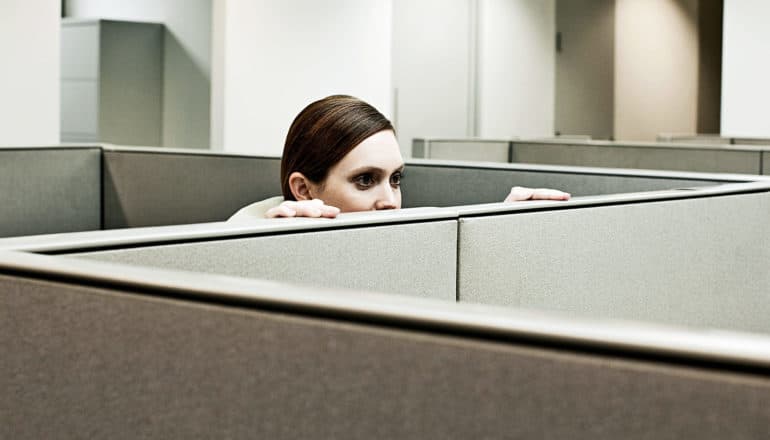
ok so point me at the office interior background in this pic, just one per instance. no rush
(229, 75)
(131, 308)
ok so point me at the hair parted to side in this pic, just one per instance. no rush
(323, 133)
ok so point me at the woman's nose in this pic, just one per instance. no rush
(386, 199)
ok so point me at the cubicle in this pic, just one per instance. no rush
(700, 156)
(65, 189)
(664, 256)
(111, 350)
(635, 314)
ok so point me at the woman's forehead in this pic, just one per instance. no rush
(379, 150)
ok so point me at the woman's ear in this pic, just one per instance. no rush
(300, 186)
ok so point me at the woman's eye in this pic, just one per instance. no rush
(364, 180)
(395, 179)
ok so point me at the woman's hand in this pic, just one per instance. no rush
(520, 193)
(303, 208)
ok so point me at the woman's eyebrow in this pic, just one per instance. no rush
(373, 169)
(366, 169)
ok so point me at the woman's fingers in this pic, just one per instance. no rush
(549, 194)
(520, 193)
(329, 211)
(305, 208)
(281, 210)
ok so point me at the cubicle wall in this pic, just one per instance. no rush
(702, 157)
(152, 187)
(645, 156)
(44, 190)
(110, 339)
(699, 261)
(112, 351)
(713, 139)
(394, 254)
(693, 257)
(485, 150)
(766, 163)
(50, 190)
(450, 183)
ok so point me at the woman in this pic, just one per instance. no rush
(341, 155)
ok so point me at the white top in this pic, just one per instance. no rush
(256, 210)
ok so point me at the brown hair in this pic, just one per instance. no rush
(323, 133)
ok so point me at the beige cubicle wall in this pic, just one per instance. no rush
(109, 350)
(699, 261)
(661, 256)
(411, 252)
(696, 156)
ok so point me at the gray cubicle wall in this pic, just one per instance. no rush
(703, 158)
(49, 189)
(152, 187)
(111, 351)
(485, 150)
(715, 139)
(766, 163)
(453, 183)
(412, 252)
(700, 261)
(681, 156)
(61, 190)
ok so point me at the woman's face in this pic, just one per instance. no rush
(367, 178)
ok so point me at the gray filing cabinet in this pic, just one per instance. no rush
(111, 82)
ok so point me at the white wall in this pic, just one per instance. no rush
(656, 68)
(187, 60)
(516, 70)
(29, 76)
(432, 58)
(746, 68)
(278, 56)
